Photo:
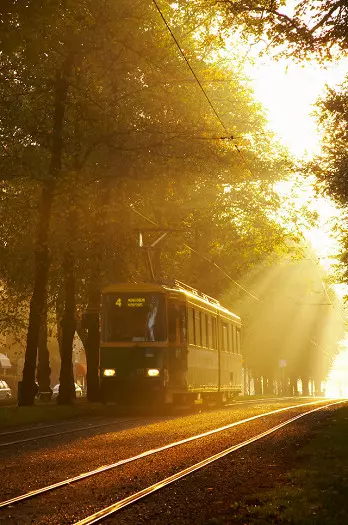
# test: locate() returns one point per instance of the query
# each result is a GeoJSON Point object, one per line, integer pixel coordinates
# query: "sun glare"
{"type": "Point", "coordinates": [296, 194]}
{"type": "Point", "coordinates": [299, 193]}
{"type": "Point", "coordinates": [336, 384]}
{"type": "Point", "coordinates": [321, 237]}
{"type": "Point", "coordinates": [288, 92]}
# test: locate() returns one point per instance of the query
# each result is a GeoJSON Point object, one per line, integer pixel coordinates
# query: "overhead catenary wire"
{"type": "Point", "coordinates": [190, 67]}
{"type": "Point", "coordinates": [213, 263]}
{"type": "Point", "coordinates": [229, 136]}
{"type": "Point", "coordinates": [201, 255]}
{"type": "Point", "coordinates": [223, 271]}
{"type": "Point", "coordinates": [326, 292]}
{"type": "Point", "coordinates": [310, 257]}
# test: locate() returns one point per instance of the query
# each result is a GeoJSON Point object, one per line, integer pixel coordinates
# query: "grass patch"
{"type": "Point", "coordinates": [315, 490]}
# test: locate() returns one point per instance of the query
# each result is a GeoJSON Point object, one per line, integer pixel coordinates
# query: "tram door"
{"type": "Point", "coordinates": [177, 352]}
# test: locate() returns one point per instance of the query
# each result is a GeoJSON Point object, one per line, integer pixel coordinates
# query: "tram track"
{"type": "Point", "coordinates": [92, 426]}
{"type": "Point", "coordinates": [57, 434]}
{"type": "Point", "coordinates": [99, 516]}
{"type": "Point", "coordinates": [127, 501]}
{"type": "Point", "coordinates": [44, 427]}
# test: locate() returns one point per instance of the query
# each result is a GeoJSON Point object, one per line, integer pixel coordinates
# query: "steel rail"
{"type": "Point", "coordinates": [68, 422]}
{"type": "Point", "coordinates": [44, 427]}
{"type": "Point", "coordinates": [133, 498]}
{"type": "Point", "coordinates": [70, 431]}
{"type": "Point", "coordinates": [105, 468]}
{"type": "Point", "coordinates": [269, 400]}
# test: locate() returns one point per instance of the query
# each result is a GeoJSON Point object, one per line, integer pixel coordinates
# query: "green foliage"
{"type": "Point", "coordinates": [305, 29]}
{"type": "Point", "coordinates": [17, 210]}
{"type": "Point", "coordinates": [137, 130]}
{"type": "Point", "coordinates": [330, 166]}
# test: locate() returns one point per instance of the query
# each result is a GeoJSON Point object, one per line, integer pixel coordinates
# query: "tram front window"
{"type": "Point", "coordinates": [133, 317]}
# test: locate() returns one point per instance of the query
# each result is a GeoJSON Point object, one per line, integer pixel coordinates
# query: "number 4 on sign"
{"type": "Point", "coordinates": [118, 302]}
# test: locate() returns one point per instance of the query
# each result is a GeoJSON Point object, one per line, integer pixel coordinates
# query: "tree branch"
{"type": "Point", "coordinates": [339, 4]}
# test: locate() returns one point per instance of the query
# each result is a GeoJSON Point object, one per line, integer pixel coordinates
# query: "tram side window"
{"type": "Point", "coordinates": [238, 341]}
{"type": "Point", "coordinates": [214, 333]}
{"type": "Point", "coordinates": [176, 323]}
{"type": "Point", "coordinates": [191, 326]}
{"type": "Point", "coordinates": [225, 337]}
{"type": "Point", "coordinates": [229, 340]}
{"type": "Point", "coordinates": [235, 347]}
{"type": "Point", "coordinates": [209, 331]}
{"type": "Point", "coordinates": [230, 334]}
{"type": "Point", "coordinates": [198, 333]}
{"type": "Point", "coordinates": [204, 329]}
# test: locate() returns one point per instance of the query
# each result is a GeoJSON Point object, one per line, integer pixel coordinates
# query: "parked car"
{"type": "Point", "coordinates": [78, 391]}
{"type": "Point", "coordinates": [5, 391]}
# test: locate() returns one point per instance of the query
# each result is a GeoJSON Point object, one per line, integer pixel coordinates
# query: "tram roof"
{"type": "Point", "coordinates": [189, 292]}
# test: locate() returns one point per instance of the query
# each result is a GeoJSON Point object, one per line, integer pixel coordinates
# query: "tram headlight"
{"type": "Point", "coordinates": [153, 372]}
{"type": "Point", "coordinates": [109, 372]}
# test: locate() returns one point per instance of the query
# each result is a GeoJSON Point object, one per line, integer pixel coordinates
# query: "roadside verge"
{"type": "Point", "coordinates": [314, 491]}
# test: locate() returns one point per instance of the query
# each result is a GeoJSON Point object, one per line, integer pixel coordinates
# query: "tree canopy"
{"type": "Point", "coordinates": [101, 112]}
{"type": "Point", "coordinates": [303, 28]}
{"type": "Point", "coordinates": [331, 166]}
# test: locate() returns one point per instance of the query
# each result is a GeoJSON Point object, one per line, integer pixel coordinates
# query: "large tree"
{"type": "Point", "coordinates": [78, 84]}
{"type": "Point", "coordinates": [330, 167]}
{"type": "Point", "coordinates": [98, 103]}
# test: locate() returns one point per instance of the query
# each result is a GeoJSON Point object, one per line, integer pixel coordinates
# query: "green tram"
{"type": "Point", "coordinates": [167, 344]}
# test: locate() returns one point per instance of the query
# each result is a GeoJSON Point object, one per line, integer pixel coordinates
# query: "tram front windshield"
{"type": "Point", "coordinates": [133, 317]}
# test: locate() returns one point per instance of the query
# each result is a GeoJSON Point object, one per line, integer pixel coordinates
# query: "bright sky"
{"type": "Point", "coordinates": [288, 91]}
{"type": "Point", "coordinates": [289, 103]}
{"type": "Point", "coordinates": [288, 94]}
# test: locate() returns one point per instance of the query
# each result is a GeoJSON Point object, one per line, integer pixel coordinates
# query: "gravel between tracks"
{"type": "Point", "coordinates": [213, 495]}
{"type": "Point", "coordinates": [199, 498]}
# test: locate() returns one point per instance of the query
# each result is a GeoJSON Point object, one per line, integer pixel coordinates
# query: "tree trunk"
{"type": "Point", "coordinates": [68, 326]}
{"type": "Point", "coordinates": [317, 387]}
{"type": "Point", "coordinates": [68, 322]}
{"type": "Point", "coordinates": [257, 385]}
{"type": "Point", "coordinates": [26, 394]}
{"type": "Point", "coordinates": [94, 296]}
{"type": "Point", "coordinates": [305, 385]}
{"type": "Point", "coordinates": [268, 385]}
{"type": "Point", "coordinates": [43, 366]}
{"type": "Point", "coordinates": [92, 344]}
{"type": "Point", "coordinates": [293, 385]}
{"type": "Point", "coordinates": [59, 317]}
